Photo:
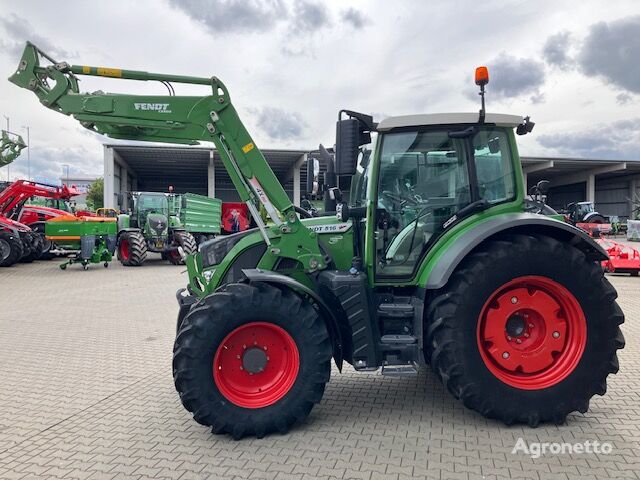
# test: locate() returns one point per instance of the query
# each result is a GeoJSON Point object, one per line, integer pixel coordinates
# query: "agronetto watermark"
{"type": "Point", "coordinates": [539, 449]}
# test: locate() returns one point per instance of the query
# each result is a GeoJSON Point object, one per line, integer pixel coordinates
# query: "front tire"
{"type": "Point", "coordinates": [251, 359]}
{"type": "Point", "coordinates": [188, 244]}
{"type": "Point", "coordinates": [526, 330]}
{"type": "Point", "coordinates": [10, 249]}
{"type": "Point", "coordinates": [132, 249]}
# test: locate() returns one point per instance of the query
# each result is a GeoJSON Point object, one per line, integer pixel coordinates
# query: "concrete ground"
{"type": "Point", "coordinates": [86, 392]}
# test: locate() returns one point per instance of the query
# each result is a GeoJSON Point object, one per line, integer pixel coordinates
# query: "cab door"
{"type": "Point", "coordinates": [429, 180]}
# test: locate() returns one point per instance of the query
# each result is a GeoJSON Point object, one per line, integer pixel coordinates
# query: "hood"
{"type": "Point", "coordinates": [13, 225]}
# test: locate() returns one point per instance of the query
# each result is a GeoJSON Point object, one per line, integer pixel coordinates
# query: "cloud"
{"type": "Point", "coordinates": [513, 77]}
{"type": "Point", "coordinates": [47, 163]}
{"type": "Point", "coordinates": [611, 51]}
{"type": "Point", "coordinates": [19, 31]}
{"type": "Point", "coordinates": [309, 17]}
{"type": "Point", "coordinates": [355, 18]}
{"type": "Point", "coordinates": [234, 16]}
{"type": "Point", "coordinates": [619, 140]}
{"type": "Point", "coordinates": [624, 99]}
{"type": "Point", "coordinates": [555, 50]}
{"type": "Point", "coordinates": [280, 124]}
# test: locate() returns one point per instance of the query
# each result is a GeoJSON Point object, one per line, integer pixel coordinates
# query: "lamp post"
{"type": "Point", "coordinates": [28, 153]}
{"type": "Point", "coordinates": [67, 167]}
{"type": "Point", "coordinates": [8, 166]}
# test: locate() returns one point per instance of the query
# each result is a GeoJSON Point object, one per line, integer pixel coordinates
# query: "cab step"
{"type": "Point", "coordinates": [400, 370]}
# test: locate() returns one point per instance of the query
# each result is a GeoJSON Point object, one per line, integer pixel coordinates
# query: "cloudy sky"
{"type": "Point", "coordinates": [290, 65]}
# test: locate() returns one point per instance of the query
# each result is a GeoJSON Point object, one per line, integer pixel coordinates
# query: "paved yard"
{"type": "Point", "coordinates": [86, 392]}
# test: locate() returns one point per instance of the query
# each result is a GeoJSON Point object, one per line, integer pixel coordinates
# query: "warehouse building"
{"type": "Point", "coordinates": [611, 184]}
{"type": "Point", "coordinates": [187, 169]}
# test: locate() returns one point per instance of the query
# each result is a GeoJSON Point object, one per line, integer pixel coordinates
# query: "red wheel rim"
{"type": "Point", "coordinates": [124, 249]}
{"type": "Point", "coordinates": [531, 333]}
{"type": "Point", "coordinates": [256, 365]}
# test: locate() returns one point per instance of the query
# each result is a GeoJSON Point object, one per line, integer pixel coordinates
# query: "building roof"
{"type": "Point", "coordinates": [499, 119]}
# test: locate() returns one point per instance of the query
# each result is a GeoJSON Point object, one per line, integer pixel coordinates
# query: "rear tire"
{"type": "Point", "coordinates": [564, 359]}
{"type": "Point", "coordinates": [289, 338]}
{"type": "Point", "coordinates": [188, 244]}
{"type": "Point", "coordinates": [132, 249]}
{"type": "Point", "coordinates": [10, 249]}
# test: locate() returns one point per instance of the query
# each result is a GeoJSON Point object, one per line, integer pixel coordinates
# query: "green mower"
{"type": "Point", "coordinates": [432, 261]}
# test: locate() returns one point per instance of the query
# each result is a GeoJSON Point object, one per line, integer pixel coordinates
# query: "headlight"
{"type": "Point", "coordinates": [215, 250]}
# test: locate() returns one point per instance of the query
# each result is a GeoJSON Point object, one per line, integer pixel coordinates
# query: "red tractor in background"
{"type": "Point", "coordinates": [13, 206]}
{"type": "Point", "coordinates": [18, 243]}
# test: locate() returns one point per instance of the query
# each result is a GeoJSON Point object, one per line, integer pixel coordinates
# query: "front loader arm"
{"type": "Point", "coordinates": [176, 119]}
{"type": "Point", "coordinates": [22, 190]}
{"type": "Point", "coordinates": [10, 148]}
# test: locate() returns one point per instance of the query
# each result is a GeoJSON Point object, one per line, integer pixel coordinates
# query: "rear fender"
{"type": "Point", "coordinates": [333, 327]}
{"type": "Point", "coordinates": [513, 223]}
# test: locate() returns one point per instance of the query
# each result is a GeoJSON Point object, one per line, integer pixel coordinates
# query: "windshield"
{"type": "Point", "coordinates": [157, 203]}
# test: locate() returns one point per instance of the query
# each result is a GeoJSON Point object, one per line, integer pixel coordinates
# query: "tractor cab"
{"type": "Point", "coordinates": [424, 175]}
{"type": "Point", "coordinates": [151, 213]}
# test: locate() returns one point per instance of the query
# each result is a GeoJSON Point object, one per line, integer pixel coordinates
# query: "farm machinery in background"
{"type": "Point", "coordinates": [93, 239]}
{"type": "Point", "coordinates": [18, 242]}
{"type": "Point", "coordinates": [150, 225]}
{"type": "Point", "coordinates": [621, 258]}
{"type": "Point", "coordinates": [433, 261]}
{"type": "Point", "coordinates": [14, 204]}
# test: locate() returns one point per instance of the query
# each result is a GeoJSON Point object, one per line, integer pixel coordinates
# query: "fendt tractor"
{"type": "Point", "coordinates": [432, 261]}
{"type": "Point", "coordinates": [149, 226]}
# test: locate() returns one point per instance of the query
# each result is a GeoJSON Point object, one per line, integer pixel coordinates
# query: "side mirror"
{"type": "Point", "coordinates": [347, 143]}
{"type": "Point", "coordinates": [351, 133]}
{"type": "Point", "coordinates": [543, 186]}
{"type": "Point", "coordinates": [313, 172]}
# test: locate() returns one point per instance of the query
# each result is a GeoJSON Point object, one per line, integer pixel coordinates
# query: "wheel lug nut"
{"type": "Point", "coordinates": [509, 338]}
{"type": "Point", "coordinates": [518, 340]}
{"type": "Point", "coordinates": [241, 368]}
{"type": "Point", "coordinates": [514, 299]}
{"type": "Point", "coordinates": [238, 357]}
{"type": "Point", "coordinates": [556, 334]}
{"type": "Point", "coordinates": [505, 355]}
{"type": "Point", "coordinates": [526, 335]}
{"type": "Point", "coordinates": [531, 325]}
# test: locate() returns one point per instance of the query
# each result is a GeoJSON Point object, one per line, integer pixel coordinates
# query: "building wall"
{"type": "Point", "coordinates": [612, 197]}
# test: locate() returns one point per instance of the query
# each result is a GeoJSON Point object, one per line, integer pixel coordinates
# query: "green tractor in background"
{"type": "Point", "coordinates": [149, 226]}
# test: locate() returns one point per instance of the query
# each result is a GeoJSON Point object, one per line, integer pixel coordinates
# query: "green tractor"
{"type": "Point", "coordinates": [432, 261]}
{"type": "Point", "coordinates": [149, 226]}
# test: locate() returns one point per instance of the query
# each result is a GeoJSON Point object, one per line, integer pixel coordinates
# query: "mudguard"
{"type": "Point", "coordinates": [257, 275]}
{"type": "Point", "coordinates": [522, 223]}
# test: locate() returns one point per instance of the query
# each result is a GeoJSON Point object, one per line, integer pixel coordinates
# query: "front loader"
{"type": "Point", "coordinates": [432, 261]}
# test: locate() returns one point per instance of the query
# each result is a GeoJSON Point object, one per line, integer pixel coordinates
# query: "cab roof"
{"type": "Point", "coordinates": [499, 119]}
